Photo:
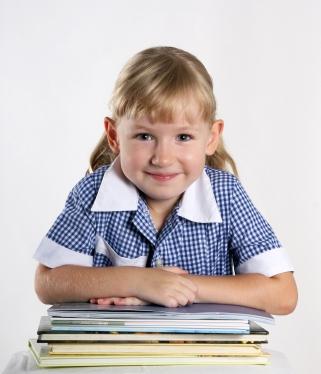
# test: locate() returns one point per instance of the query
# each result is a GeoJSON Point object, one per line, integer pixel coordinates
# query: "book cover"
{"type": "Point", "coordinates": [193, 311]}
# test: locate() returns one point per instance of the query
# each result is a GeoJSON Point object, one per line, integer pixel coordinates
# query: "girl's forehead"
{"type": "Point", "coordinates": [177, 120]}
{"type": "Point", "coordinates": [181, 110]}
{"type": "Point", "coordinates": [178, 117]}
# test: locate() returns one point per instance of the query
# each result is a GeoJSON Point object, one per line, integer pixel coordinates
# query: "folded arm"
{"type": "Point", "coordinates": [276, 294]}
{"type": "Point", "coordinates": [69, 283]}
{"type": "Point", "coordinates": [171, 288]}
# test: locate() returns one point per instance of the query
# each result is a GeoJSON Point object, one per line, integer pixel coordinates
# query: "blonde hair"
{"type": "Point", "coordinates": [160, 83]}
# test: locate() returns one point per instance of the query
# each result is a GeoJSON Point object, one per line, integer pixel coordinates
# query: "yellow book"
{"type": "Point", "coordinates": [43, 358]}
{"type": "Point", "coordinates": [155, 349]}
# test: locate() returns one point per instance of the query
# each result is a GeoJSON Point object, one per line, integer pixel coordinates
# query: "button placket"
{"type": "Point", "coordinates": [143, 223]}
{"type": "Point", "coordinates": [164, 250]}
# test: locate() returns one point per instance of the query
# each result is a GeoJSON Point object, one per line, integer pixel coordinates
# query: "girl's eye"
{"type": "Point", "coordinates": [144, 137]}
{"type": "Point", "coordinates": [184, 137]}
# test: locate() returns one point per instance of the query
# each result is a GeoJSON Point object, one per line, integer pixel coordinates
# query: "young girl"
{"type": "Point", "coordinates": [158, 219]}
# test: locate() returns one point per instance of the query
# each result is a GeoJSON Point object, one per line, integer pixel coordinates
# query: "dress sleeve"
{"type": "Point", "coordinates": [254, 246]}
{"type": "Point", "coordinates": [71, 239]}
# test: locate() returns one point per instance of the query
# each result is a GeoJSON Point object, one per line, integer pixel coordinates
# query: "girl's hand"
{"type": "Point", "coordinates": [132, 300]}
{"type": "Point", "coordinates": [166, 286]}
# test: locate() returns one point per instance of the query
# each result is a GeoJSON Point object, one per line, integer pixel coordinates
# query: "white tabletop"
{"type": "Point", "coordinates": [23, 362]}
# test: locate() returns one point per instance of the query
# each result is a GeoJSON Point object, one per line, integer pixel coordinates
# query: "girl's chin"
{"type": "Point", "coordinates": [161, 198]}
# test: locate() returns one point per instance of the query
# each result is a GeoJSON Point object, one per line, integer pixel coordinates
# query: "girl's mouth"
{"type": "Point", "coordinates": [162, 177]}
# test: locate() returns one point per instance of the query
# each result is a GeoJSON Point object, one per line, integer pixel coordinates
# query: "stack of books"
{"type": "Point", "coordinates": [83, 334]}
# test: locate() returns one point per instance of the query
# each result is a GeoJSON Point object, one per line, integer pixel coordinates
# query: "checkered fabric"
{"type": "Point", "coordinates": [199, 248]}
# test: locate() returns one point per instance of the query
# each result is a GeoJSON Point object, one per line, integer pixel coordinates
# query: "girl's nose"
{"type": "Point", "coordinates": [163, 155]}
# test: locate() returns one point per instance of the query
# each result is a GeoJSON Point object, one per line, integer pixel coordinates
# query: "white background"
{"type": "Point", "coordinates": [59, 61]}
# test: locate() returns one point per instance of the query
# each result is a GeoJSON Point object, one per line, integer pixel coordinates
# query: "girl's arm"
{"type": "Point", "coordinates": [276, 295]}
{"type": "Point", "coordinates": [80, 283]}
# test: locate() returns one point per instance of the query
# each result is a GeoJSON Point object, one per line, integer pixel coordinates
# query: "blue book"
{"type": "Point", "coordinates": [193, 311]}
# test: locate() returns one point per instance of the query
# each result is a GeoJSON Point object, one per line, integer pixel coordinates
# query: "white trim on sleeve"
{"type": "Point", "coordinates": [51, 254]}
{"type": "Point", "coordinates": [268, 263]}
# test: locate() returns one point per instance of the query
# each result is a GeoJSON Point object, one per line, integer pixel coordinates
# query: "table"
{"type": "Point", "coordinates": [23, 362]}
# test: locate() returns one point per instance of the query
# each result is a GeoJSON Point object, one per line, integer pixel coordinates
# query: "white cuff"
{"type": "Point", "coordinates": [271, 262]}
{"type": "Point", "coordinates": [51, 254]}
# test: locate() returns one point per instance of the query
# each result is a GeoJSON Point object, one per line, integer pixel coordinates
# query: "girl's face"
{"type": "Point", "coordinates": [162, 159]}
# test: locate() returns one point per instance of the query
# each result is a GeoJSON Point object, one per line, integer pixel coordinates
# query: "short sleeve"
{"type": "Point", "coordinates": [254, 246]}
{"type": "Point", "coordinates": [71, 239]}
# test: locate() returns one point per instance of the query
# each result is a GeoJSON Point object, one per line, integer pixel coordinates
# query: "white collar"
{"type": "Point", "coordinates": [117, 193]}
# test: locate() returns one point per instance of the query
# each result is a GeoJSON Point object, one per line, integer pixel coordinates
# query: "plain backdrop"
{"type": "Point", "coordinates": [58, 64]}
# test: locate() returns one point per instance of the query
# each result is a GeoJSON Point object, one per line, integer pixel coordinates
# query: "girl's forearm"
{"type": "Point", "coordinates": [78, 283]}
{"type": "Point", "coordinates": [276, 295]}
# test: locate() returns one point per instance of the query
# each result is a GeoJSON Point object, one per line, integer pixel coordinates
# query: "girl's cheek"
{"type": "Point", "coordinates": [134, 158]}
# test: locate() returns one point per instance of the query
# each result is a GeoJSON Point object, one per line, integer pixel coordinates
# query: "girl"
{"type": "Point", "coordinates": [151, 223]}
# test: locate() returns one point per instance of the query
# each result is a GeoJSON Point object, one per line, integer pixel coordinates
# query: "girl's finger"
{"type": "Point", "coordinates": [105, 301]}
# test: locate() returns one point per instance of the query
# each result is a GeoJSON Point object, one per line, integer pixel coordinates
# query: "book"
{"type": "Point", "coordinates": [237, 323]}
{"type": "Point", "coordinates": [155, 349]}
{"type": "Point", "coordinates": [40, 351]}
{"type": "Point", "coordinates": [193, 311]}
{"type": "Point", "coordinates": [156, 326]}
{"type": "Point", "coordinates": [256, 334]}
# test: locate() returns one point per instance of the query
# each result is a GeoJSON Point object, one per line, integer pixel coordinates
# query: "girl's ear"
{"type": "Point", "coordinates": [215, 133]}
{"type": "Point", "coordinates": [111, 133]}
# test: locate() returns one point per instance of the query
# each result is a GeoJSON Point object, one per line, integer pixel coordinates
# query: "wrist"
{"type": "Point", "coordinates": [136, 280]}
{"type": "Point", "coordinates": [196, 280]}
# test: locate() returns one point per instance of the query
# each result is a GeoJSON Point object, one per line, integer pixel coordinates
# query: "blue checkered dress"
{"type": "Point", "coordinates": [200, 248]}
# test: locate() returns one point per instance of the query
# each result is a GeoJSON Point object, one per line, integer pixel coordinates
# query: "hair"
{"type": "Point", "coordinates": [160, 83]}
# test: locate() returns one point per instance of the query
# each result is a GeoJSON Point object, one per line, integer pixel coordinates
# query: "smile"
{"type": "Point", "coordinates": [162, 177]}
